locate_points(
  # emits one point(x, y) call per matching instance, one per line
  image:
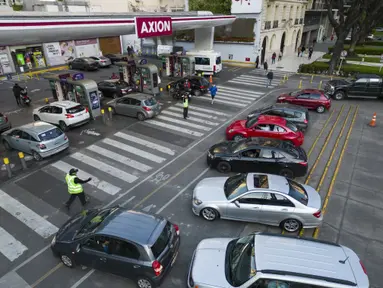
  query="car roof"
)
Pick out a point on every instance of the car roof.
point(138, 96)
point(65, 104)
point(289, 106)
point(275, 182)
point(358, 76)
point(271, 119)
point(36, 127)
point(131, 225)
point(301, 257)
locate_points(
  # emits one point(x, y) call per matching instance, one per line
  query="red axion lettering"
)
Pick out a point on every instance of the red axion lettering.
point(152, 27)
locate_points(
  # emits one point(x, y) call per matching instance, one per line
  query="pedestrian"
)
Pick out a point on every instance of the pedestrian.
point(265, 67)
point(75, 188)
point(270, 77)
point(213, 91)
point(311, 50)
point(280, 55)
point(303, 51)
point(129, 51)
point(257, 62)
point(299, 51)
point(186, 105)
point(187, 85)
point(273, 57)
point(16, 92)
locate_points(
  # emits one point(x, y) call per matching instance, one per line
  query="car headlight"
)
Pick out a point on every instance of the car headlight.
point(231, 130)
point(196, 201)
point(281, 98)
point(53, 241)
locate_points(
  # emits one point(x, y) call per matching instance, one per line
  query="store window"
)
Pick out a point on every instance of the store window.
point(28, 58)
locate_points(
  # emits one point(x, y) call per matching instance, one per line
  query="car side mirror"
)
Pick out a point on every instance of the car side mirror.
point(236, 203)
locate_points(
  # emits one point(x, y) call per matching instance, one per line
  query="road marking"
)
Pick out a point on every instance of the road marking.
point(204, 115)
point(148, 208)
point(10, 247)
point(210, 111)
point(133, 150)
point(21, 212)
point(183, 122)
point(119, 158)
point(46, 275)
point(232, 96)
point(178, 115)
point(35, 90)
point(244, 91)
point(230, 103)
point(129, 200)
point(126, 177)
point(95, 182)
point(238, 95)
point(145, 143)
point(251, 83)
point(13, 280)
point(175, 128)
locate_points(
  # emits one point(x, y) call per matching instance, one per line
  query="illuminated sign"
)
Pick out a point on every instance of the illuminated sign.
point(153, 26)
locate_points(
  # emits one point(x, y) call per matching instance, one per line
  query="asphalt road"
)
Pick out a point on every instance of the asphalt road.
point(171, 161)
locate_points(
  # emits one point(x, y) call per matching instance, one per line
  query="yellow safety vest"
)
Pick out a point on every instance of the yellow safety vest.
point(186, 103)
point(73, 188)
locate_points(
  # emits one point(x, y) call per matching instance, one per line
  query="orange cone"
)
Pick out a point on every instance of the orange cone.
point(211, 79)
point(373, 121)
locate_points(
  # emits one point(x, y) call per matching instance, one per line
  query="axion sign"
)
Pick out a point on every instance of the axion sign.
point(153, 26)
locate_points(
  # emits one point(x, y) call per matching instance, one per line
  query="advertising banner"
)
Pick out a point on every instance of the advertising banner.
point(85, 42)
point(67, 50)
point(53, 54)
point(153, 26)
point(246, 6)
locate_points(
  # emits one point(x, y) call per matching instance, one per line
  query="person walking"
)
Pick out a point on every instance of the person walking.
point(311, 50)
point(265, 67)
point(75, 188)
point(303, 50)
point(270, 77)
point(273, 57)
point(280, 55)
point(17, 92)
point(186, 105)
point(213, 91)
point(257, 62)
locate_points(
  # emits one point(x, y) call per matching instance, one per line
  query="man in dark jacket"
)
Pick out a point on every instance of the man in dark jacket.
point(75, 188)
point(265, 67)
point(16, 92)
point(270, 77)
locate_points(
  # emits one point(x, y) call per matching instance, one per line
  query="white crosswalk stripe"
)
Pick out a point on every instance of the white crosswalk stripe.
point(174, 128)
point(231, 97)
point(10, 247)
point(178, 115)
point(95, 182)
point(210, 111)
point(250, 82)
point(194, 113)
point(183, 123)
point(235, 95)
point(277, 73)
point(230, 102)
point(255, 94)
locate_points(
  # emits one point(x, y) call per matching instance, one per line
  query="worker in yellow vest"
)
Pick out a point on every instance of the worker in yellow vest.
point(75, 188)
point(186, 105)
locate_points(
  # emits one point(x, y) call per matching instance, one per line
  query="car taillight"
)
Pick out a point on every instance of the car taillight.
point(86, 110)
point(303, 163)
point(364, 268)
point(317, 214)
point(305, 121)
point(214, 68)
point(65, 137)
point(201, 87)
point(147, 108)
point(157, 267)
point(41, 146)
point(69, 116)
point(177, 229)
point(103, 61)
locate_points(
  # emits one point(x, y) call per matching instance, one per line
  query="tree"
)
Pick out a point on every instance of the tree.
point(348, 16)
point(215, 6)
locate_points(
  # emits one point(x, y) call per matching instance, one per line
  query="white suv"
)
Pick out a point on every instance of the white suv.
point(63, 113)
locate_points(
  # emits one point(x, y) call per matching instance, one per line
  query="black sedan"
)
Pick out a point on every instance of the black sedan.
point(114, 88)
point(199, 85)
point(265, 155)
point(84, 63)
point(114, 57)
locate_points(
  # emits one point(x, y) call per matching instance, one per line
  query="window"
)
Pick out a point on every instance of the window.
point(297, 115)
point(124, 101)
point(150, 102)
point(289, 114)
point(270, 154)
point(296, 93)
point(263, 127)
point(236, 185)
point(291, 126)
point(281, 200)
point(162, 241)
point(315, 96)
point(218, 60)
point(304, 96)
point(261, 181)
point(51, 134)
point(272, 283)
point(56, 110)
point(276, 113)
point(125, 249)
point(155, 80)
point(25, 136)
point(361, 81)
point(252, 153)
point(204, 82)
point(76, 109)
point(16, 133)
point(251, 122)
point(202, 61)
point(279, 129)
point(98, 243)
point(375, 83)
point(46, 109)
point(135, 102)
point(297, 192)
point(258, 198)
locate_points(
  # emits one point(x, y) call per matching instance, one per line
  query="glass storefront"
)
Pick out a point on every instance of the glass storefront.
point(28, 58)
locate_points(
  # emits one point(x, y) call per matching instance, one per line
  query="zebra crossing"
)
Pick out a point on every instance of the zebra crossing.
point(257, 78)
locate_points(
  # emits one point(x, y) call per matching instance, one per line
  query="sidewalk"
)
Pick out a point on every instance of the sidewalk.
point(291, 63)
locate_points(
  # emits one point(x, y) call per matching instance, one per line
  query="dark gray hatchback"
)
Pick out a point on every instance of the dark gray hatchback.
point(132, 244)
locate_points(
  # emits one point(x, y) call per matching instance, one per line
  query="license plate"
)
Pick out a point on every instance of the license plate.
point(26, 101)
point(174, 259)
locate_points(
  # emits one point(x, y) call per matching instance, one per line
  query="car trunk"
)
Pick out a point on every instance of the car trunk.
point(166, 245)
point(78, 112)
point(152, 104)
point(52, 138)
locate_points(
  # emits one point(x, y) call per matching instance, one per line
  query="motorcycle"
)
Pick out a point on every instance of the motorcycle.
point(25, 99)
point(179, 94)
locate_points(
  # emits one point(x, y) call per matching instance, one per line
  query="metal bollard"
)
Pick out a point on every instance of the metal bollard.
point(103, 116)
point(22, 160)
point(320, 85)
point(300, 85)
point(312, 79)
point(46, 100)
point(110, 110)
point(8, 167)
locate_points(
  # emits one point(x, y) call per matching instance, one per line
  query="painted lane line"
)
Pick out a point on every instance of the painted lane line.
point(250, 84)
point(120, 158)
point(230, 97)
point(254, 81)
point(193, 113)
point(126, 177)
point(183, 122)
point(133, 150)
point(210, 111)
point(10, 247)
point(13, 280)
point(240, 90)
point(95, 182)
point(233, 95)
point(175, 128)
point(21, 212)
point(178, 115)
point(127, 201)
point(230, 103)
point(145, 143)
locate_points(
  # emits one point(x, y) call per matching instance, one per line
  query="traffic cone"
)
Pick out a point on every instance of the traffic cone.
point(373, 121)
point(211, 79)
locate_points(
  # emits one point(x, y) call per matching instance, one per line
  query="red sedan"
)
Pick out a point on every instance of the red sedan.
point(265, 126)
point(310, 98)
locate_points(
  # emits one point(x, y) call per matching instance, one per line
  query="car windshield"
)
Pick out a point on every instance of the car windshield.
point(240, 260)
point(150, 102)
point(95, 222)
point(235, 186)
point(162, 241)
point(204, 82)
point(291, 126)
point(237, 147)
point(251, 122)
point(50, 134)
point(298, 192)
point(295, 93)
point(75, 109)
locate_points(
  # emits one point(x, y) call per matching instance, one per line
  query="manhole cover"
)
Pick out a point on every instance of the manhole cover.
point(3, 168)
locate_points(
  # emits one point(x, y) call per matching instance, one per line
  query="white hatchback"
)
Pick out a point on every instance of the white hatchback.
point(65, 114)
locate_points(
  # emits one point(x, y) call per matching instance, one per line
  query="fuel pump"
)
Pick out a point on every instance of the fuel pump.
point(178, 65)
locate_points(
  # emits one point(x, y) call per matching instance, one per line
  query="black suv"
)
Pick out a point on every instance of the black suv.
point(115, 88)
point(199, 85)
point(364, 85)
point(295, 114)
point(128, 243)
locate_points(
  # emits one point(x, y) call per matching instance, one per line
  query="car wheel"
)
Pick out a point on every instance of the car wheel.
point(287, 173)
point(209, 214)
point(114, 96)
point(291, 225)
point(320, 109)
point(141, 116)
point(36, 156)
point(36, 118)
point(63, 126)
point(197, 93)
point(238, 137)
point(339, 95)
point(223, 167)
point(143, 282)
point(7, 146)
point(67, 261)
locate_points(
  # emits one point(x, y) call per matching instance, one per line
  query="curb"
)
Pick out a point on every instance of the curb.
point(319, 75)
point(239, 63)
point(35, 73)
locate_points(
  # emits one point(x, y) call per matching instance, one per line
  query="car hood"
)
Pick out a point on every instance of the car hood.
point(238, 125)
point(211, 189)
point(210, 256)
point(315, 200)
point(221, 148)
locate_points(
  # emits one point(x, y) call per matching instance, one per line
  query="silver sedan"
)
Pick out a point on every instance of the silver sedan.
point(102, 61)
point(262, 198)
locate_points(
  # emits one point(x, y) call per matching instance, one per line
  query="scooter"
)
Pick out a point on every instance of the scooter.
point(25, 99)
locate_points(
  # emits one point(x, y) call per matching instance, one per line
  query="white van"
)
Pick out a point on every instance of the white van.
point(208, 62)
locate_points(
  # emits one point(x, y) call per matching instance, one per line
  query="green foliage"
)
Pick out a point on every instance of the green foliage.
point(366, 59)
point(367, 50)
point(17, 7)
point(378, 34)
point(367, 43)
point(216, 6)
point(347, 70)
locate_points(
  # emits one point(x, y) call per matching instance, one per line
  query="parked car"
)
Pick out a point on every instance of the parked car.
point(198, 85)
point(113, 57)
point(293, 113)
point(364, 86)
point(127, 243)
point(263, 198)
point(258, 155)
point(266, 127)
point(65, 114)
point(139, 105)
point(263, 260)
point(102, 61)
point(38, 139)
point(84, 63)
point(114, 88)
point(310, 98)
point(5, 124)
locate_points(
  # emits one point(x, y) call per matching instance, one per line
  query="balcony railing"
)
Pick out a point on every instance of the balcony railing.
point(275, 24)
point(301, 21)
point(267, 25)
point(296, 21)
